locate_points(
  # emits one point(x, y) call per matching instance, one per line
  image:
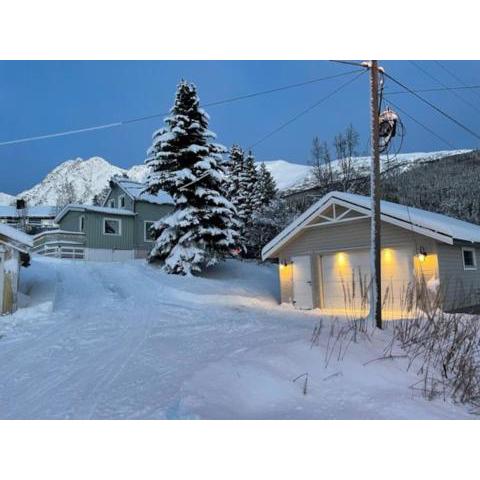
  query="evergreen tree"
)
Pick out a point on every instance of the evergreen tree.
point(250, 196)
point(267, 188)
point(184, 162)
point(236, 163)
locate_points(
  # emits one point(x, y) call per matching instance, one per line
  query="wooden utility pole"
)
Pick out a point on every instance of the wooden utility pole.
point(375, 259)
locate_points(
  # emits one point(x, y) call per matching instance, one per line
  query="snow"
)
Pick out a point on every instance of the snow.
point(16, 235)
point(6, 199)
point(105, 340)
point(435, 222)
point(290, 175)
point(136, 190)
point(91, 208)
point(31, 212)
point(90, 176)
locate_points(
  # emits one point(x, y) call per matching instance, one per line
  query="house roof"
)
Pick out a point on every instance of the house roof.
point(136, 191)
point(441, 227)
point(91, 208)
point(17, 239)
point(39, 211)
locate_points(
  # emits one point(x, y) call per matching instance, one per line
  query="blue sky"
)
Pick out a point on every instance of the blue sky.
point(48, 96)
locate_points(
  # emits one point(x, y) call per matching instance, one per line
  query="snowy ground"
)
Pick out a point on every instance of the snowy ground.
point(127, 341)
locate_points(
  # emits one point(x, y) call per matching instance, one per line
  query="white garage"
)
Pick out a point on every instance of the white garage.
point(324, 257)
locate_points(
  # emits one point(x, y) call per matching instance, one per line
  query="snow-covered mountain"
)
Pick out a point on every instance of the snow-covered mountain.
point(6, 199)
point(80, 180)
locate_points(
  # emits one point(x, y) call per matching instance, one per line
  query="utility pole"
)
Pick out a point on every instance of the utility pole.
point(375, 246)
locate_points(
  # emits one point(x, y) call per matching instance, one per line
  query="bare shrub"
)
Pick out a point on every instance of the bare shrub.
point(442, 347)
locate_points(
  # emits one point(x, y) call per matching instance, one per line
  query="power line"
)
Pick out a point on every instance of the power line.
point(446, 142)
point(304, 112)
point(454, 76)
point(438, 89)
point(430, 104)
point(453, 92)
point(156, 115)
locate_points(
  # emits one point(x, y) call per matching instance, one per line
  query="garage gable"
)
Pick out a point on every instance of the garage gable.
point(339, 207)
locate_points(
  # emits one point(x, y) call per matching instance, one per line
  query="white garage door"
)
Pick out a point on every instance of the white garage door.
point(346, 278)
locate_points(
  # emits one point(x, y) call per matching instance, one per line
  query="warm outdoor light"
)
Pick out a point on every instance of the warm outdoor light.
point(284, 263)
point(341, 258)
point(422, 255)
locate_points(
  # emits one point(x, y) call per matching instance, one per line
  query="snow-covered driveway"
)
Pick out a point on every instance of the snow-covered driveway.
point(127, 341)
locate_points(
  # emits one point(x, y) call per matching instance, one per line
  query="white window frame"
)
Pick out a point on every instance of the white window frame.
point(145, 239)
point(111, 203)
point(469, 267)
point(120, 199)
point(81, 219)
point(119, 220)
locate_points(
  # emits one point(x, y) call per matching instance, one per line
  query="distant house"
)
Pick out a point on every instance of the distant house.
point(119, 230)
point(29, 219)
point(324, 257)
point(14, 252)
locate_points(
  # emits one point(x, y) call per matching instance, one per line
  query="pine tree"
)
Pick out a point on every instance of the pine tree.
point(236, 163)
point(184, 162)
point(250, 196)
point(267, 188)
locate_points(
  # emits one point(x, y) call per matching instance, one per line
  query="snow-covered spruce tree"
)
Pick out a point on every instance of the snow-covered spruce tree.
point(185, 163)
point(250, 196)
point(236, 162)
point(266, 186)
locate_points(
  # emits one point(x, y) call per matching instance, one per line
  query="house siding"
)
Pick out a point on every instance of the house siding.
point(95, 238)
point(116, 192)
point(147, 212)
point(337, 237)
point(71, 221)
point(459, 286)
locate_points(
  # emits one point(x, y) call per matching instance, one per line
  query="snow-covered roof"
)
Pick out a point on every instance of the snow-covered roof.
point(39, 211)
point(15, 237)
point(441, 227)
point(92, 208)
point(136, 191)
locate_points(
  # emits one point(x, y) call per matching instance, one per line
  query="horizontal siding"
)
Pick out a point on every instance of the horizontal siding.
point(354, 234)
point(461, 287)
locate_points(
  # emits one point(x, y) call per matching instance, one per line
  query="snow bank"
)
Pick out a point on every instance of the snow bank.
point(125, 340)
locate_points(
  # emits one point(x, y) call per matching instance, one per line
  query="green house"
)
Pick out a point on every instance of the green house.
point(118, 230)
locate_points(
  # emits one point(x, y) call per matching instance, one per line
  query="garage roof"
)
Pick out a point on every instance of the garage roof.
point(435, 225)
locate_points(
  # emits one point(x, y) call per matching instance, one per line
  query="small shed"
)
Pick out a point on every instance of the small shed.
point(14, 252)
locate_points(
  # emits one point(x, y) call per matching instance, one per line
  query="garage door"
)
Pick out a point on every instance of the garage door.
point(346, 277)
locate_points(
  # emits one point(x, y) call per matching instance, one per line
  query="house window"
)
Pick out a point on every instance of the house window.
point(121, 201)
point(112, 226)
point(148, 236)
point(111, 203)
point(81, 223)
point(469, 260)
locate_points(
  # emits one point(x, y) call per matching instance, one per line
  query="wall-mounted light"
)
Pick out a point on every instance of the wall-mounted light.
point(284, 263)
point(422, 254)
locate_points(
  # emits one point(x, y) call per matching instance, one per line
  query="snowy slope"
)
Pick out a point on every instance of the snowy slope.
point(124, 340)
point(86, 177)
point(299, 176)
point(6, 199)
point(83, 179)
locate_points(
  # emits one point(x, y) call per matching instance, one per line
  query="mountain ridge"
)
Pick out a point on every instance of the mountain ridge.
point(81, 180)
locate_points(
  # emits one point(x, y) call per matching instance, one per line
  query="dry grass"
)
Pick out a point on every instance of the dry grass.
point(443, 348)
